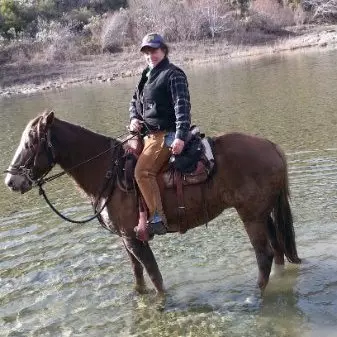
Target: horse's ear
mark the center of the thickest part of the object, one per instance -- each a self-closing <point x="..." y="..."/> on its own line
<point x="48" y="118"/>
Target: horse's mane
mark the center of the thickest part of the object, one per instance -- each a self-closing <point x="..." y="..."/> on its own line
<point x="78" y="128"/>
<point x="31" y="124"/>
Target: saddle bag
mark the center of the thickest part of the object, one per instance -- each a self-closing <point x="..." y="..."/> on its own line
<point x="187" y="161"/>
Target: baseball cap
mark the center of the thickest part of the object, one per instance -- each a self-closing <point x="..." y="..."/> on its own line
<point x="152" y="40"/>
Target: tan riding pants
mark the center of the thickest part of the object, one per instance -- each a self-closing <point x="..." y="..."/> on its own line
<point x="150" y="162"/>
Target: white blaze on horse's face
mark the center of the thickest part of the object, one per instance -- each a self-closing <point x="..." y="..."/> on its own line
<point x="14" y="180"/>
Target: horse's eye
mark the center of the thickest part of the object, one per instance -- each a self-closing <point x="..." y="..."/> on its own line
<point x="30" y="141"/>
<point x="32" y="138"/>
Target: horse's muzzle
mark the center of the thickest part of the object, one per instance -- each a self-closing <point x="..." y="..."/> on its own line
<point x="18" y="183"/>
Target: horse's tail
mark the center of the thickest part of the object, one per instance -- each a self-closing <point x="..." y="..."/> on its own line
<point x="283" y="221"/>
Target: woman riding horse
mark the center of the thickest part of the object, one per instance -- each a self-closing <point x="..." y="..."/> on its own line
<point x="160" y="110"/>
<point x="251" y="176"/>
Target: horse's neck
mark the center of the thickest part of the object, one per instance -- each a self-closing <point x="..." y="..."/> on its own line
<point x="75" y="145"/>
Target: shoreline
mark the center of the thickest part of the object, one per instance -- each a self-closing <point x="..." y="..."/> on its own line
<point x="23" y="79"/>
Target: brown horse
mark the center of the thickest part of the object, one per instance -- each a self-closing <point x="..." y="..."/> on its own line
<point x="251" y="176"/>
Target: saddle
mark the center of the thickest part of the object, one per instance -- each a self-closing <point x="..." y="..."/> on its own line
<point x="193" y="166"/>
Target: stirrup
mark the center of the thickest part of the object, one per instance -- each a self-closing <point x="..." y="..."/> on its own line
<point x="158" y="228"/>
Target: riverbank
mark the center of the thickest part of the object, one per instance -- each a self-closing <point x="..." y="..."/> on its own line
<point x="25" y="79"/>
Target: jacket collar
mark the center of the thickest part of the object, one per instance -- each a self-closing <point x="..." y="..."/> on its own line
<point x="160" y="66"/>
<point x="150" y="73"/>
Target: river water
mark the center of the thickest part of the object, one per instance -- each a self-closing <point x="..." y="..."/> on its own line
<point x="60" y="279"/>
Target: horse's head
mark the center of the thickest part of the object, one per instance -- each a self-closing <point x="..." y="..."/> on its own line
<point x="34" y="156"/>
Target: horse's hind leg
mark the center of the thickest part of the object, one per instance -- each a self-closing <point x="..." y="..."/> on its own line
<point x="142" y="253"/>
<point x="258" y="234"/>
<point x="278" y="252"/>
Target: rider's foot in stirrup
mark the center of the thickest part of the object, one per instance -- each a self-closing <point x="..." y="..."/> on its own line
<point x="157" y="225"/>
<point x="158" y="228"/>
<point x="146" y="230"/>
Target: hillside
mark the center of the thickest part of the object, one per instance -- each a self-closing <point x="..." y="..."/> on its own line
<point x="21" y="78"/>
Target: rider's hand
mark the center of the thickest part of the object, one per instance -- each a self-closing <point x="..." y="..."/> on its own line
<point x="177" y="146"/>
<point x="135" y="125"/>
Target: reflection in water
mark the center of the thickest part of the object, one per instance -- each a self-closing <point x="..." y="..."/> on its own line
<point x="276" y="315"/>
<point x="60" y="279"/>
<point x="280" y="313"/>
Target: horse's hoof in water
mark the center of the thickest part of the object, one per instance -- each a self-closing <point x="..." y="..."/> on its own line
<point x="277" y="270"/>
<point x="141" y="289"/>
<point x="161" y="294"/>
<point x="160" y="300"/>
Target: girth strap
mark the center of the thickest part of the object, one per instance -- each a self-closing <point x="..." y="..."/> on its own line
<point x="178" y="180"/>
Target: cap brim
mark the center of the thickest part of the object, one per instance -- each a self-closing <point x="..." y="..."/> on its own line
<point x="150" y="45"/>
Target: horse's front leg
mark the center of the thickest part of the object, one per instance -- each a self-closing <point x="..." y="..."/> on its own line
<point x="142" y="253"/>
<point x="137" y="271"/>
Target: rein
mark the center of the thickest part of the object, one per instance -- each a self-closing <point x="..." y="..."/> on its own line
<point x="43" y="180"/>
<point x="43" y="193"/>
<point x="110" y="175"/>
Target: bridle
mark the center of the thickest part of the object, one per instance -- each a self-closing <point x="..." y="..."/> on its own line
<point x="45" y="141"/>
<point x="25" y="171"/>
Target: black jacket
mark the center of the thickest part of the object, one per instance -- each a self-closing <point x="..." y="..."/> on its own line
<point x="162" y="100"/>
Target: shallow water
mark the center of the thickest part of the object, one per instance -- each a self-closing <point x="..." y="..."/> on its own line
<point x="60" y="279"/>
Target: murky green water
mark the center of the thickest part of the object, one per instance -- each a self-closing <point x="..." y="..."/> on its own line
<point x="60" y="279"/>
